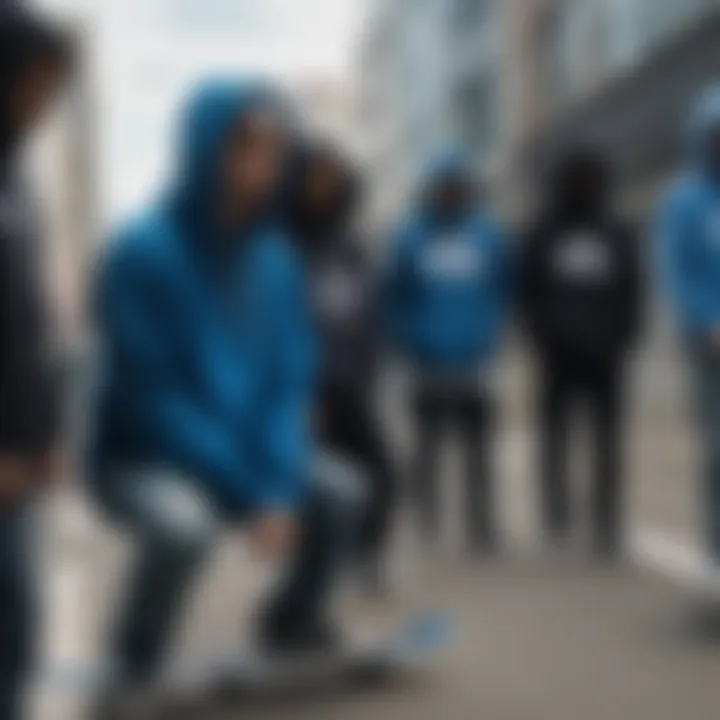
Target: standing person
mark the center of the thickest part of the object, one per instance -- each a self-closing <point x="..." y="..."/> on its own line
<point x="689" y="238"/>
<point x="346" y="306"/>
<point x="448" y="288"/>
<point x="203" y="418"/>
<point x="34" y="62"/>
<point x="581" y="301"/>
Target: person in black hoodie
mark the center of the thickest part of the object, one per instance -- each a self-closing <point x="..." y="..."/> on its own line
<point x="322" y="204"/>
<point x="34" y="60"/>
<point x="581" y="297"/>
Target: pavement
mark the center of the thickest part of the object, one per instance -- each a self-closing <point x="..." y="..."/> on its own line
<point x="537" y="634"/>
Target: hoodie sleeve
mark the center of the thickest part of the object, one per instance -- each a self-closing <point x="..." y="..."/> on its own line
<point x="285" y="420"/>
<point x="681" y="264"/>
<point x="136" y="328"/>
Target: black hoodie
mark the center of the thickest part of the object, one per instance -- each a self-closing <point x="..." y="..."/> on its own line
<point x="580" y="274"/>
<point x="342" y="281"/>
<point x="28" y="392"/>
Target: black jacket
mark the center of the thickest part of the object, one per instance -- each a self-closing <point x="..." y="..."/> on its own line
<point x="345" y="304"/>
<point x="580" y="271"/>
<point x="343" y="283"/>
<point x="28" y="391"/>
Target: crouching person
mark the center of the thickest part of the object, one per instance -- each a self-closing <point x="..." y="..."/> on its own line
<point x="203" y="416"/>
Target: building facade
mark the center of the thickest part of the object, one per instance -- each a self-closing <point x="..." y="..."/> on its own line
<point x="618" y="73"/>
<point x="432" y="74"/>
<point x="514" y="80"/>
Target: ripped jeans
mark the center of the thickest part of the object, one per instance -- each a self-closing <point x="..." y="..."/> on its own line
<point x="175" y="525"/>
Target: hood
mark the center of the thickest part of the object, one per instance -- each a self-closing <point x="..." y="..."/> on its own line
<point x="579" y="185"/>
<point x="310" y="227"/>
<point x="210" y="114"/>
<point x="704" y="119"/>
<point x="24" y="37"/>
<point x="448" y="167"/>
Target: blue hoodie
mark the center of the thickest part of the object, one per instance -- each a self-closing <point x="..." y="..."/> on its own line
<point x="448" y="283"/>
<point x="689" y="228"/>
<point x="208" y="355"/>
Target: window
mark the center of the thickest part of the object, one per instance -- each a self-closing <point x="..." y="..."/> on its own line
<point x="600" y="39"/>
<point x="657" y="20"/>
<point x="580" y="45"/>
<point x="477" y="115"/>
<point x="557" y="81"/>
<point x="470" y="14"/>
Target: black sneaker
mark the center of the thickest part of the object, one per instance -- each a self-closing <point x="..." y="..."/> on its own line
<point x="298" y="638"/>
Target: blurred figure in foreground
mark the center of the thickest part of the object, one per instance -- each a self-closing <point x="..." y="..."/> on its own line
<point x="35" y="60"/>
<point x="580" y="289"/>
<point x="448" y="289"/>
<point x="689" y="239"/>
<point x="346" y="306"/>
<point x="205" y="410"/>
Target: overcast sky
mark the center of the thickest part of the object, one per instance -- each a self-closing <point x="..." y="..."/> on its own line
<point x="146" y="52"/>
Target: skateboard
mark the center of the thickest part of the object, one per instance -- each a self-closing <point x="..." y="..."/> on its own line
<point x="372" y="663"/>
<point x="404" y="650"/>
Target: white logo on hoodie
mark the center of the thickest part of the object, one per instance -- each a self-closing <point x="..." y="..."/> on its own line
<point x="456" y="257"/>
<point x="583" y="258"/>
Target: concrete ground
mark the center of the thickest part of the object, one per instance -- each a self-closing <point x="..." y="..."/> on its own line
<point x="537" y="635"/>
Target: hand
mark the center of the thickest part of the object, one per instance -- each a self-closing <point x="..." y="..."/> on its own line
<point x="15" y="477"/>
<point x="274" y="535"/>
<point x="54" y="464"/>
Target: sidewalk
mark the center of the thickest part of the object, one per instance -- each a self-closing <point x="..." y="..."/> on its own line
<point x="536" y="636"/>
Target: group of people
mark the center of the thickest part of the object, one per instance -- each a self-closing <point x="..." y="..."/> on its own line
<point x="240" y="327"/>
<point x="574" y="281"/>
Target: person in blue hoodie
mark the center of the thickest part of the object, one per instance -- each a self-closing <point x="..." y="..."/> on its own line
<point x="448" y="290"/>
<point x="689" y="240"/>
<point x="204" y="412"/>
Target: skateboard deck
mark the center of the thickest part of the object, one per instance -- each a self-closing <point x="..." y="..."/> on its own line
<point x="373" y="662"/>
<point x="407" y="648"/>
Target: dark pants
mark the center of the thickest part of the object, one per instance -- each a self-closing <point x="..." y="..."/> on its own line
<point x="469" y="413"/>
<point x="351" y="430"/>
<point x="176" y="524"/>
<point x="18" y="611"/>
<point x="706" y="376"/>
<point x="599" y="386"/>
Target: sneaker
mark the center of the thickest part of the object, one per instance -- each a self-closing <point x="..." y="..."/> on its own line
<point x="293" y="638"/>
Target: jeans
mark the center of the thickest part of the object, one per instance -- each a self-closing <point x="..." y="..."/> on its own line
<point x="566" y="383"/>
<point x="176" y="524"/>
<point x="464" y="406"/>
<point x="18" y="608"/>
<point x="351" y="429"/>
<point x="706" y="381"/>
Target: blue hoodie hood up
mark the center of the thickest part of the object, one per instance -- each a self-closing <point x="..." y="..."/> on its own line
<point x="689" y="226"/>
<point x="207" y="365"/>
<point x="449" y="280"/>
